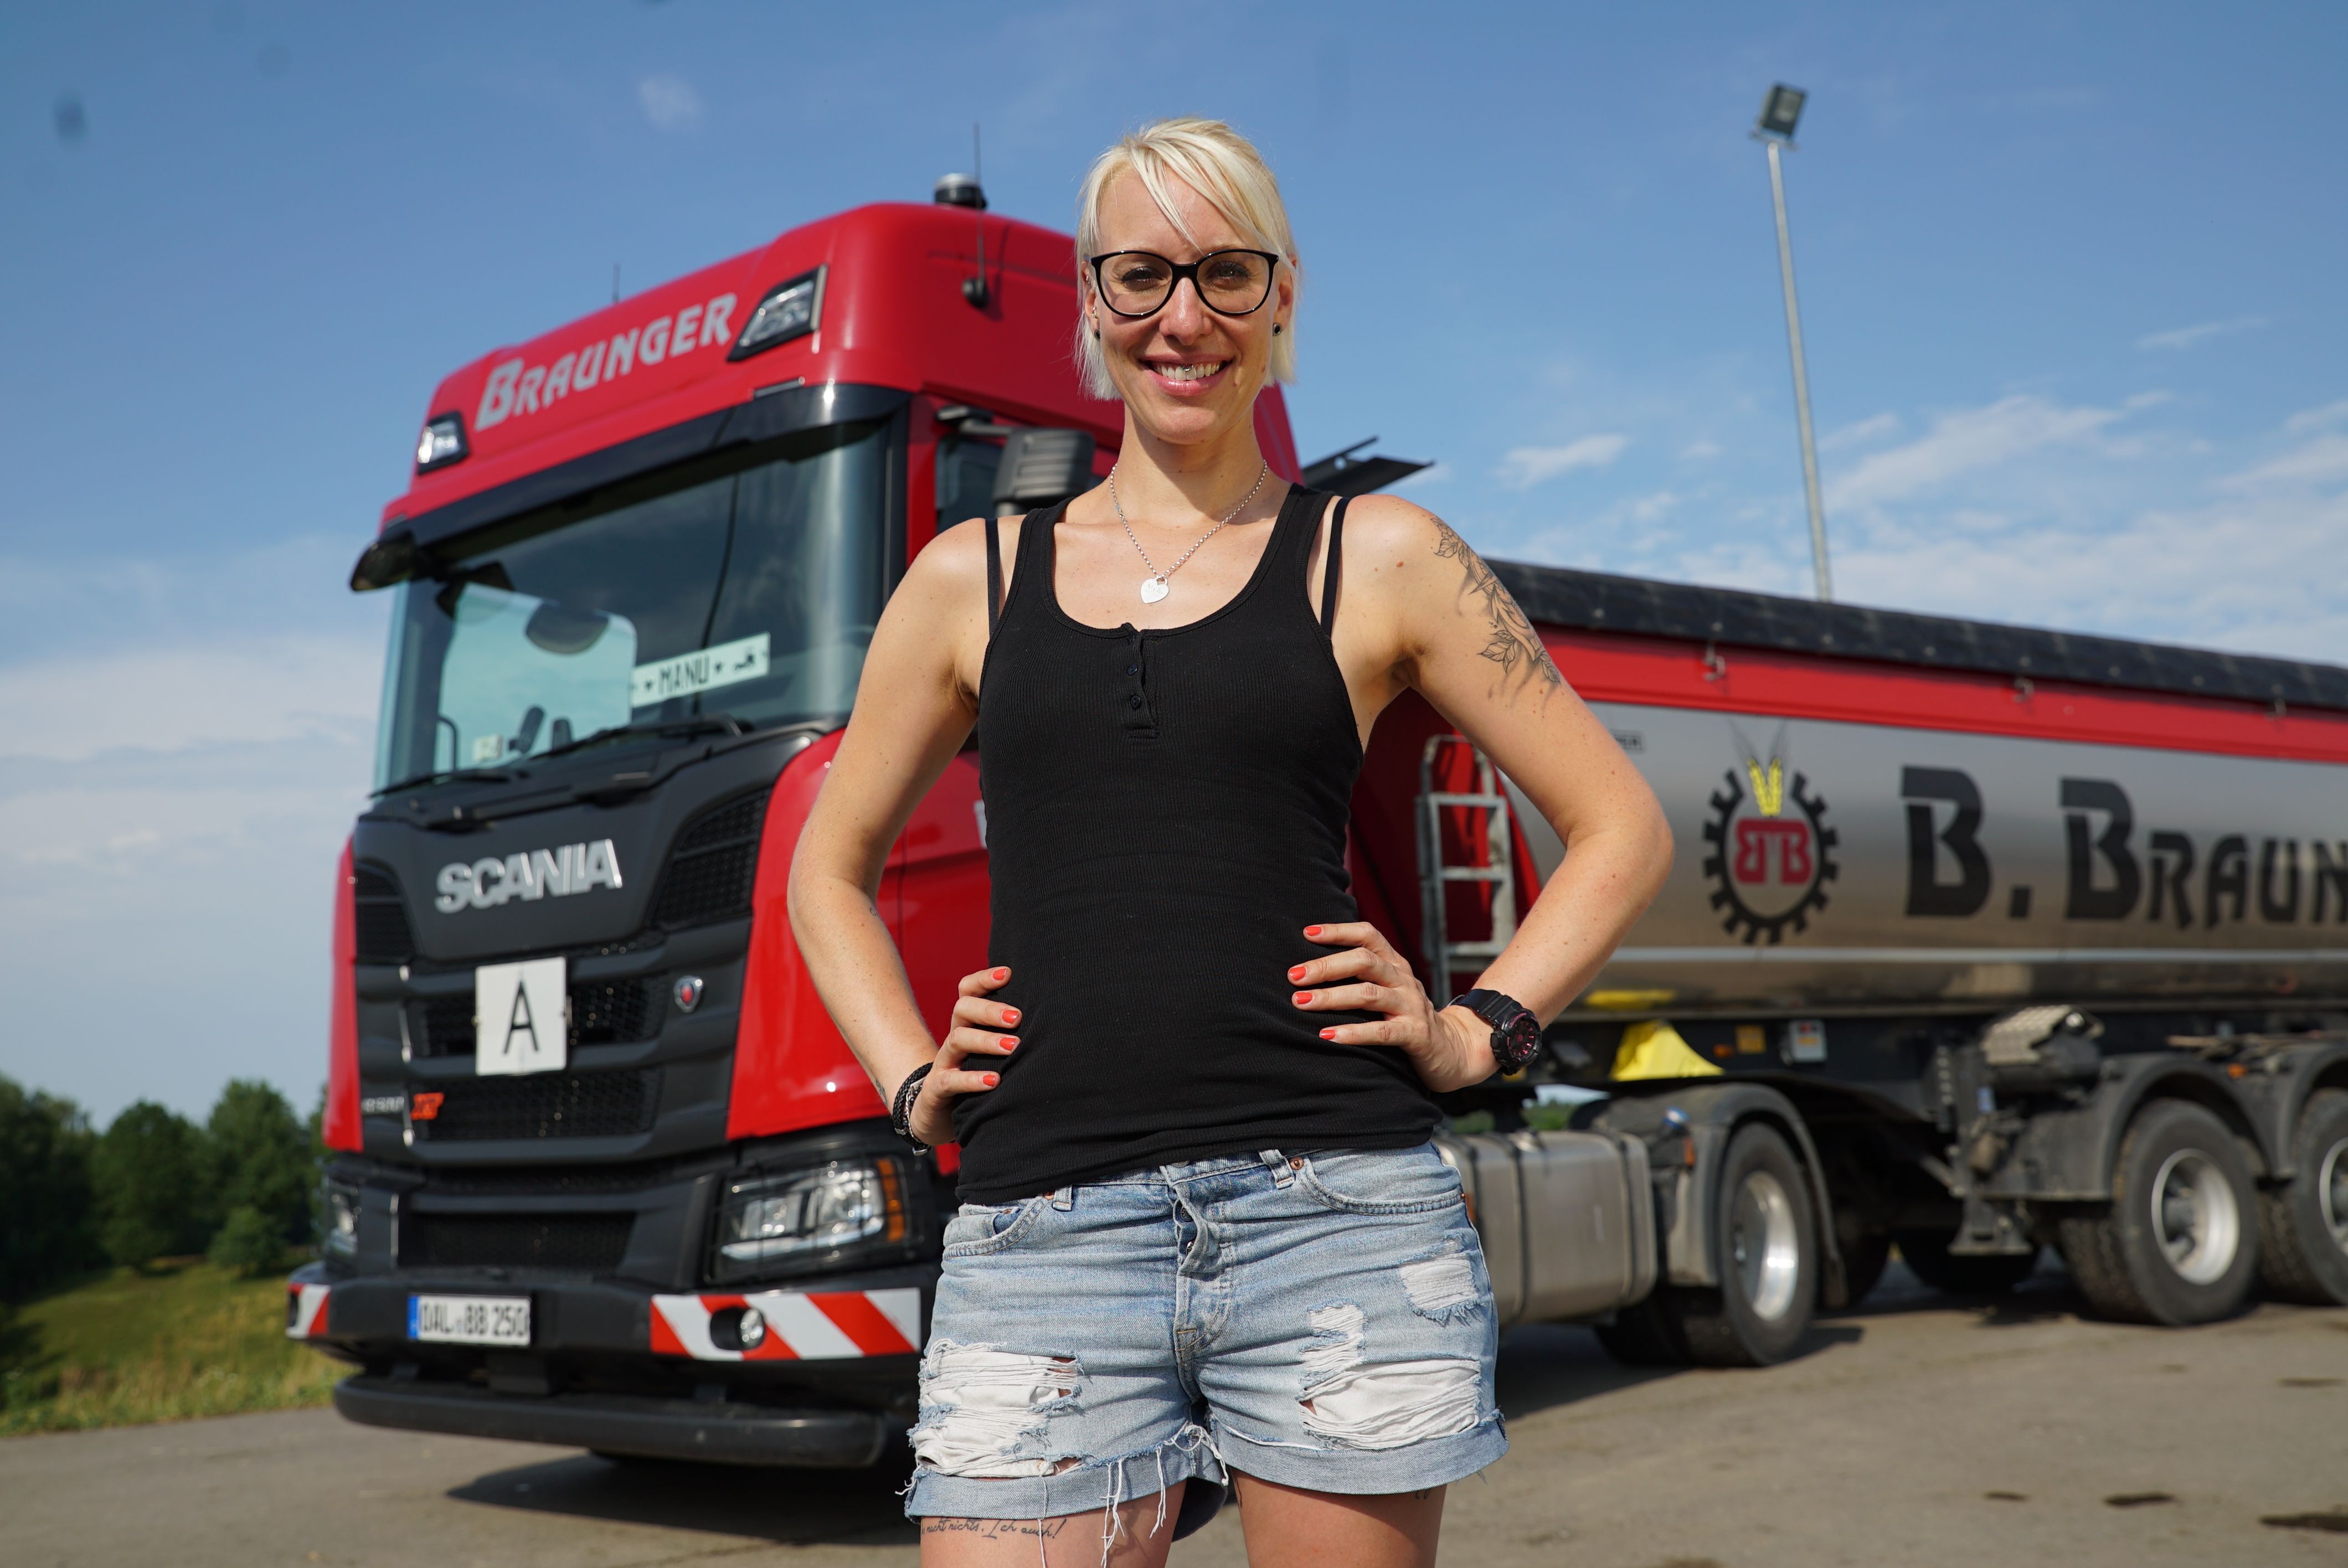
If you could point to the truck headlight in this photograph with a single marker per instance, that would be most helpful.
(342, 1220)
(795, 1222)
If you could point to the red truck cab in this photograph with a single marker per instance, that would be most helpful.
(603, 1171)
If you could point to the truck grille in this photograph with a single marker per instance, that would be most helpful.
(588, 1243)
(545, 1105)
(545, 1181)
(714, 867)
(602, 1013)
(378, 917)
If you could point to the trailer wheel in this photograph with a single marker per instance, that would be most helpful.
(1768, 1259)
(2303, 1223)
(1927, 1255)
(2179, 1242)
(1644, 1334)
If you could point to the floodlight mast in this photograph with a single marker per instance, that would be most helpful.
(1780, 112)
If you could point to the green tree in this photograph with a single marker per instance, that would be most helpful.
(48, 1226)
(261, 1158)
(154, 1185)
(248, 1242)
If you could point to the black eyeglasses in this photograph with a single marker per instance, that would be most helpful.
(1136, 284)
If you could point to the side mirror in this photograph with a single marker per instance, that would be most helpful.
(393, 558)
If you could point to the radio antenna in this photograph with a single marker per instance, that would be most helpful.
(973, 288)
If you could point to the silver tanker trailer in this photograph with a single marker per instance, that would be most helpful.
(1980, 940)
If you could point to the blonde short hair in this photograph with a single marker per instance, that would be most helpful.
(1220, 165)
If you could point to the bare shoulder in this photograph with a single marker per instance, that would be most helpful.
(952, 566)
(1448, 609)
(1400, 546)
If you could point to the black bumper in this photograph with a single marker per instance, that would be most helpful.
(716, 1433)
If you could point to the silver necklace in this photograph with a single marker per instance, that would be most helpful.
(1154, 587)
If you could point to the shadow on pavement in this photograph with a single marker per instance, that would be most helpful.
(1544, 1364)
(794, 1507)
(2047, 1296)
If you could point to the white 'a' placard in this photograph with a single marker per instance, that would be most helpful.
(521, 1021)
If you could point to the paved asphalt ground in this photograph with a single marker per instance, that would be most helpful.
(1915, 1431)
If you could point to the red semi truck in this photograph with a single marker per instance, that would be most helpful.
(1980, 939)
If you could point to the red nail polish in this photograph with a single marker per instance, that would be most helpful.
(1011, 1015)
(1297, 973)
(1328, 1034)
(1311, 931)
(992, 1079)
(1002, 974)
(1303, 997)
(1007, 1042)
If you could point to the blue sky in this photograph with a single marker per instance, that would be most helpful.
(2070, 275)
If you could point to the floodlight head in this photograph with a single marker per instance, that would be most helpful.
(1781, 111)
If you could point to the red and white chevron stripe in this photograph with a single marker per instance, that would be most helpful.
(801, 1326)
(307, 1318)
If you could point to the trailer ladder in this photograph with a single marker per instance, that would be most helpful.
(1445, 957)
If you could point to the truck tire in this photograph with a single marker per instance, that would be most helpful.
(1768, 1259)
(1927, 1255)
(2303, 1223)
(2179, 1242)
(1644, 1335)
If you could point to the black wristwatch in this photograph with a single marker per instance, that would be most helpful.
(900, 1107)
(1516, 1033)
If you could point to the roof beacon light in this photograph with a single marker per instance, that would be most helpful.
(441, 443)
(790, 310)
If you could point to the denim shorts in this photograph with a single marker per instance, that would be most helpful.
(1319, 1321)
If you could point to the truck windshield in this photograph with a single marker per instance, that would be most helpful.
(750, 595)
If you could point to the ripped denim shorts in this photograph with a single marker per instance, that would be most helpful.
(1319, 1321)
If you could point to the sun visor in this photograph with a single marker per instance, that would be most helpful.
(404, 549)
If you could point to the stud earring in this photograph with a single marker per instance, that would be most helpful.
(1275, 329)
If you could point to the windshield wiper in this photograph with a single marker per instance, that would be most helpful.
(701, 724)
(450, 775)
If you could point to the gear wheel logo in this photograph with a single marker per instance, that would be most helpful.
(1769, 867)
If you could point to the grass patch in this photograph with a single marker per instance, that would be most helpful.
(168, 1342)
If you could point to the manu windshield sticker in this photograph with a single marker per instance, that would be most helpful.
(742, 659)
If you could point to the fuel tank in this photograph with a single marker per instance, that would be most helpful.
(1876, 811)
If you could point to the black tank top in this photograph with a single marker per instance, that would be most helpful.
(1166, 812)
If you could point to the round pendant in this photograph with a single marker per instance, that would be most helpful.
(1153, 588)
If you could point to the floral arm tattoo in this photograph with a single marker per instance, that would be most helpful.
(1512, 643)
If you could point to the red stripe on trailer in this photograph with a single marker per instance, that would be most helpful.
(1612, 667)
(863, 1322)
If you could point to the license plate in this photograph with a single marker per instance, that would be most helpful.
(469, 1320)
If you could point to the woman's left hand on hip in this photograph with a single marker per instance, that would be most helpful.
(1449, 1047)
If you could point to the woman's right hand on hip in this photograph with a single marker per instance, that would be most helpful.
(976, 1030)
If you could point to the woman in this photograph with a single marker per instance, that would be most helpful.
(1208, 1239)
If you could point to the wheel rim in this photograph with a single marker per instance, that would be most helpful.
(2195, 1216)
(1763, 1242)
(2332, 1192)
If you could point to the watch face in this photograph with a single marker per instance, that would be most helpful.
(1518, 1040)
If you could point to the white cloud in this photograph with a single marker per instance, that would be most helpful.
(2317, 418)
(74, 708)
(1966, 441)
(1875, 427)
(184, 744)
(1522, 467)
(1700, 451)
(2315, 462)
(2186, 337)
(669, 102)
